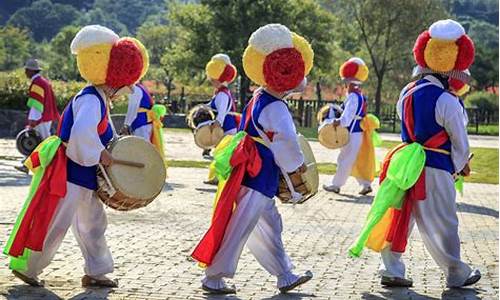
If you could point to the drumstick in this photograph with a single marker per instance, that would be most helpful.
(128, 163)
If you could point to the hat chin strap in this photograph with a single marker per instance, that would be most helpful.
(460, 75)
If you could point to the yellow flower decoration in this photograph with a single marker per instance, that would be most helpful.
(362, 73)
(253, 64)
(93, 62)
(305, 50)
(144, 54)
(214, 68)
(440, 55)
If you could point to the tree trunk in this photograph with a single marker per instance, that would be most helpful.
(244, 85)
(378, 95)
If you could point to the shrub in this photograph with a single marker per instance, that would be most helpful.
(482, 100)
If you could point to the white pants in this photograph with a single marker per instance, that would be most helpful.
(144, 132)
(81, 210)
(437, 223)
(346, 160)
(44, 129)
(257, 223)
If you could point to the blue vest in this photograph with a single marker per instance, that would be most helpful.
(266, 182)
(142, 118)
(78, 174)
(355, 124)
(425, 125)
(229, 120)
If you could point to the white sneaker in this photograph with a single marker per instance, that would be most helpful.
(331, 188)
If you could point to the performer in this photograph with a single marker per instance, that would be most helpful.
(111, 65)
(144, 118)
(41, 103)
(357, 158)
(221, 72)
(278, 60)
(421, 186)
(459, 89)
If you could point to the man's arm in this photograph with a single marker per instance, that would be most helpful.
(350, 109)
(84, 145)
(221, 102)
(449, 114)
(134, 100)
(275, 117)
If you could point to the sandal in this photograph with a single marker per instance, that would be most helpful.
(88, 281)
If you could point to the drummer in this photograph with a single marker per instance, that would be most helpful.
(41, 103)
(221, 72)
(353, 72)
(72, 156)
(142, 119)
(271, 139)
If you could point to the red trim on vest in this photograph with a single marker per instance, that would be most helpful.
(248, 114)
(103, 124)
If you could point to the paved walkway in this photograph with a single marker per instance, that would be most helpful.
(483, 141)
(151, 246)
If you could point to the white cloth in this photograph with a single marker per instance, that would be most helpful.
(34, 114)
(84, 146)
(276, 117)
(257, 223)
(43, 129)
(449, 114)
(350, 110)
(437, 222)
(134, 101)
(144, 132)
(346, 159)
(81, 210)
(222, 106)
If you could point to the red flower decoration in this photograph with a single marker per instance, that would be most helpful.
(466, 52)
(284, 69)
(349, 69)
(228, 74)
(125, 64)
(418, 49)
(455, 84)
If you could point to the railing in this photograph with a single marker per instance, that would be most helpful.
(304, 111)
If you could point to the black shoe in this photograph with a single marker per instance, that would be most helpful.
(366, 191)
(474, 277)
(28, 280)
(211, 182)
(396, 282)
(302, 279)
(222, 291)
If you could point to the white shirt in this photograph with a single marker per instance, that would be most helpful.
(222, 106)
(450, 115)
(350, 110)
(84, 146)
(275, 117)
(134, 101)
(34, 114)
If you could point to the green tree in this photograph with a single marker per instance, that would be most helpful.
(387, 29)
(43, 18)
(225, 26)
(156, 38)
(61, 63)
(102, 17)
(16, 43)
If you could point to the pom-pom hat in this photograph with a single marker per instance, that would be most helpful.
(444, 49)
(220, 68)
(105, 58)
(277, 58)
(354, 70)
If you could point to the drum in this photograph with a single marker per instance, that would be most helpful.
(208, 134)
(332, 137)
(306, 183)
(27, 140)
(324, 111)
(199, 114)
(136, 177)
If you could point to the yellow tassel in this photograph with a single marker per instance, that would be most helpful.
(253, 64)
(305, 49)
(93, 63)
(441, 55)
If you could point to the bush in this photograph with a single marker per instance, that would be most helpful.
(14, 90)
(482, 100)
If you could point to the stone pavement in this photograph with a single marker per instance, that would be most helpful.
(483, 141)
(151, 248)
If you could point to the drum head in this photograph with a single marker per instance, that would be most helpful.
(198, 114)
(333, 137)
(311, 176)
(208, 136)
(27, 140)
(133, 182)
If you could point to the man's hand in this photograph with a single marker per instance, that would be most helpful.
(336, 123)
(31, 124)
(466, 170)
(302, 169)
(125, 130)
(106, 158)
(215, 124)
